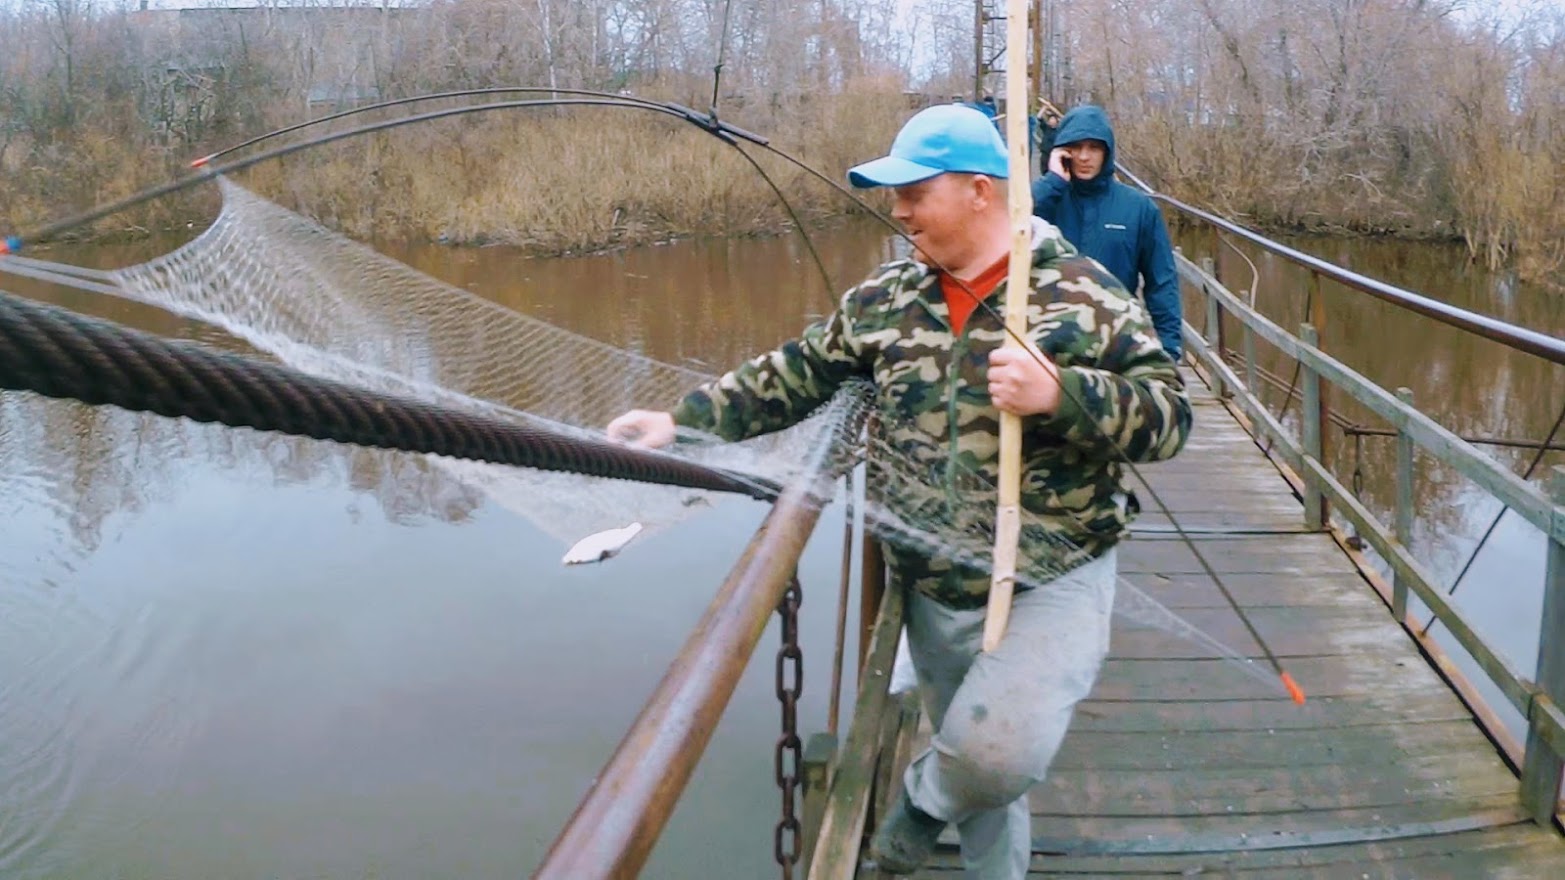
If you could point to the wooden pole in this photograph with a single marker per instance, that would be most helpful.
(1018, 288)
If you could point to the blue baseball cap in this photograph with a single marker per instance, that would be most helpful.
(946, 137)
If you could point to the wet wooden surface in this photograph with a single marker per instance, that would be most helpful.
(1182, 763)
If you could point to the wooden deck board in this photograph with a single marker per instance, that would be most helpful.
(1179, 751)
(1218, 791)
(1512, 852)
(1319, 712)
(1256, 590)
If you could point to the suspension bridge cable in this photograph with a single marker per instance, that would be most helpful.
(59, 353)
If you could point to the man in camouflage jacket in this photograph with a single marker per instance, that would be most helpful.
(1105, 389)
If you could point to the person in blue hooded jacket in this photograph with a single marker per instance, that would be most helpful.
(1114, 224)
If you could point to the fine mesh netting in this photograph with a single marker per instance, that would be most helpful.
(332, 307)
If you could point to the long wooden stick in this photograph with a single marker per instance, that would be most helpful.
(1018, 287)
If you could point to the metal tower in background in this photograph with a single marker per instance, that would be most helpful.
(1049, 67)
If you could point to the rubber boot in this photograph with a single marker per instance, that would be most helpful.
(905, 838)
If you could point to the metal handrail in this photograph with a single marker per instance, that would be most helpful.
(1520, 338)
(1435, 438)
(614, 828)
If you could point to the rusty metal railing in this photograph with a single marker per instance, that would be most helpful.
(618, 821)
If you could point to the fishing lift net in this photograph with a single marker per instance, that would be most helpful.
(331, 307)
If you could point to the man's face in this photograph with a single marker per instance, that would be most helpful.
(934, 213)
(1087, 158)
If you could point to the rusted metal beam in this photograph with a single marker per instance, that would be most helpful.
(872, 587)
(615, 826)
(1352, 429)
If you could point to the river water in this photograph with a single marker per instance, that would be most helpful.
(229, 654)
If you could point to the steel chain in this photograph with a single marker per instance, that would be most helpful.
(789, 761)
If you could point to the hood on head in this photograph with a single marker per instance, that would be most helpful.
(1088, 123)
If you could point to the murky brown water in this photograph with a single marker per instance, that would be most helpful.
(227, 654)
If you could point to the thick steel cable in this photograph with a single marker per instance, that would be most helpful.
(58, 353)
(416, 99)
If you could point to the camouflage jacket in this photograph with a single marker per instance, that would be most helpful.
(933, 391)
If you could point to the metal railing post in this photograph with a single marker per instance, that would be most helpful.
(1404, 509)
(1541, 766)
(1317, 320)
(1314, 499)
(819, 755)
(1249, 359)
(1214, 321)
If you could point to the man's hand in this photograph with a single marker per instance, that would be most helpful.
(648, 429)
(1023, 382)
(1059, 162)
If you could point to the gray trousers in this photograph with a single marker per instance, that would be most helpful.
(999, 717)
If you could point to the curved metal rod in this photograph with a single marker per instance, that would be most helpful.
(435, 96)
(17, 242)
(1255, 274)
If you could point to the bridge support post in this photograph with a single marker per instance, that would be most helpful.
(1214, 326)
(1249, 360)
(1404, 509)
(1542, 765)
(819, 755)
(1309, 412)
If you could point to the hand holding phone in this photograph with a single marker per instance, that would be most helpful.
(1060, 162)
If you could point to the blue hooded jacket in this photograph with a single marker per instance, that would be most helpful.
(1114, 224)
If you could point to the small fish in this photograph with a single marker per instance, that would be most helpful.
(600, 546)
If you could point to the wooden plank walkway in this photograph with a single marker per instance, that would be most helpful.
(1181, 765)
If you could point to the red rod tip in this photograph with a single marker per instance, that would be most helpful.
(1293, 688)
(200, 162)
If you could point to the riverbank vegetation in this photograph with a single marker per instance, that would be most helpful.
(1419, 118)
(1416, 118)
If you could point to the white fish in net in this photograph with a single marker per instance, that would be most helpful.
(601, 545)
